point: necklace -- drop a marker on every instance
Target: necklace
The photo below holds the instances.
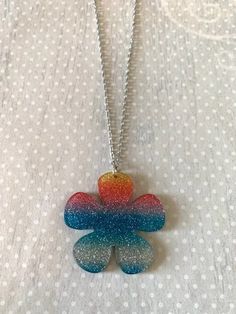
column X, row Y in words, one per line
column 116, row 220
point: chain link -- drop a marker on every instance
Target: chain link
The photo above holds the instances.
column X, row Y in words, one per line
column 116, row 147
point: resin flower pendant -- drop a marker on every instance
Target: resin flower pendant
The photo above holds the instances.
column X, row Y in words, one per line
column 115, row 222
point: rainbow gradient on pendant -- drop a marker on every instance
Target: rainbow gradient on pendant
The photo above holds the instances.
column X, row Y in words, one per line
column 115, row 221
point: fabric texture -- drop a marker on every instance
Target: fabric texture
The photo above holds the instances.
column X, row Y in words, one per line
column 180, row 146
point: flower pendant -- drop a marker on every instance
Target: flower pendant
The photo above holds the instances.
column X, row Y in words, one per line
column 115, row 222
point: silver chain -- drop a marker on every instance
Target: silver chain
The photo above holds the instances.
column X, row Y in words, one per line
column 115, row 147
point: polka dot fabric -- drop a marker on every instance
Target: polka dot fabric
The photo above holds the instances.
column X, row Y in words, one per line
column 180, row 146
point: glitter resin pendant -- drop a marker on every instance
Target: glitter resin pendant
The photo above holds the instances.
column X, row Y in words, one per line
column 115, row 221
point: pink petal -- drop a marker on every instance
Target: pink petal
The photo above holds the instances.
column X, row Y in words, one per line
column 81, row 211
column 148, row 212
column 147, row 203
column 82, row 200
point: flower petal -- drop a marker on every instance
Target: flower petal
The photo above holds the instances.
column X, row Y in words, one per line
column 92, row 252
column 81, row 211
column 133, row 254
column 149, row 213
column 115, row 189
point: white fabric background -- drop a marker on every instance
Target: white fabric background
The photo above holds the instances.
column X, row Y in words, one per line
column 181, row 146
